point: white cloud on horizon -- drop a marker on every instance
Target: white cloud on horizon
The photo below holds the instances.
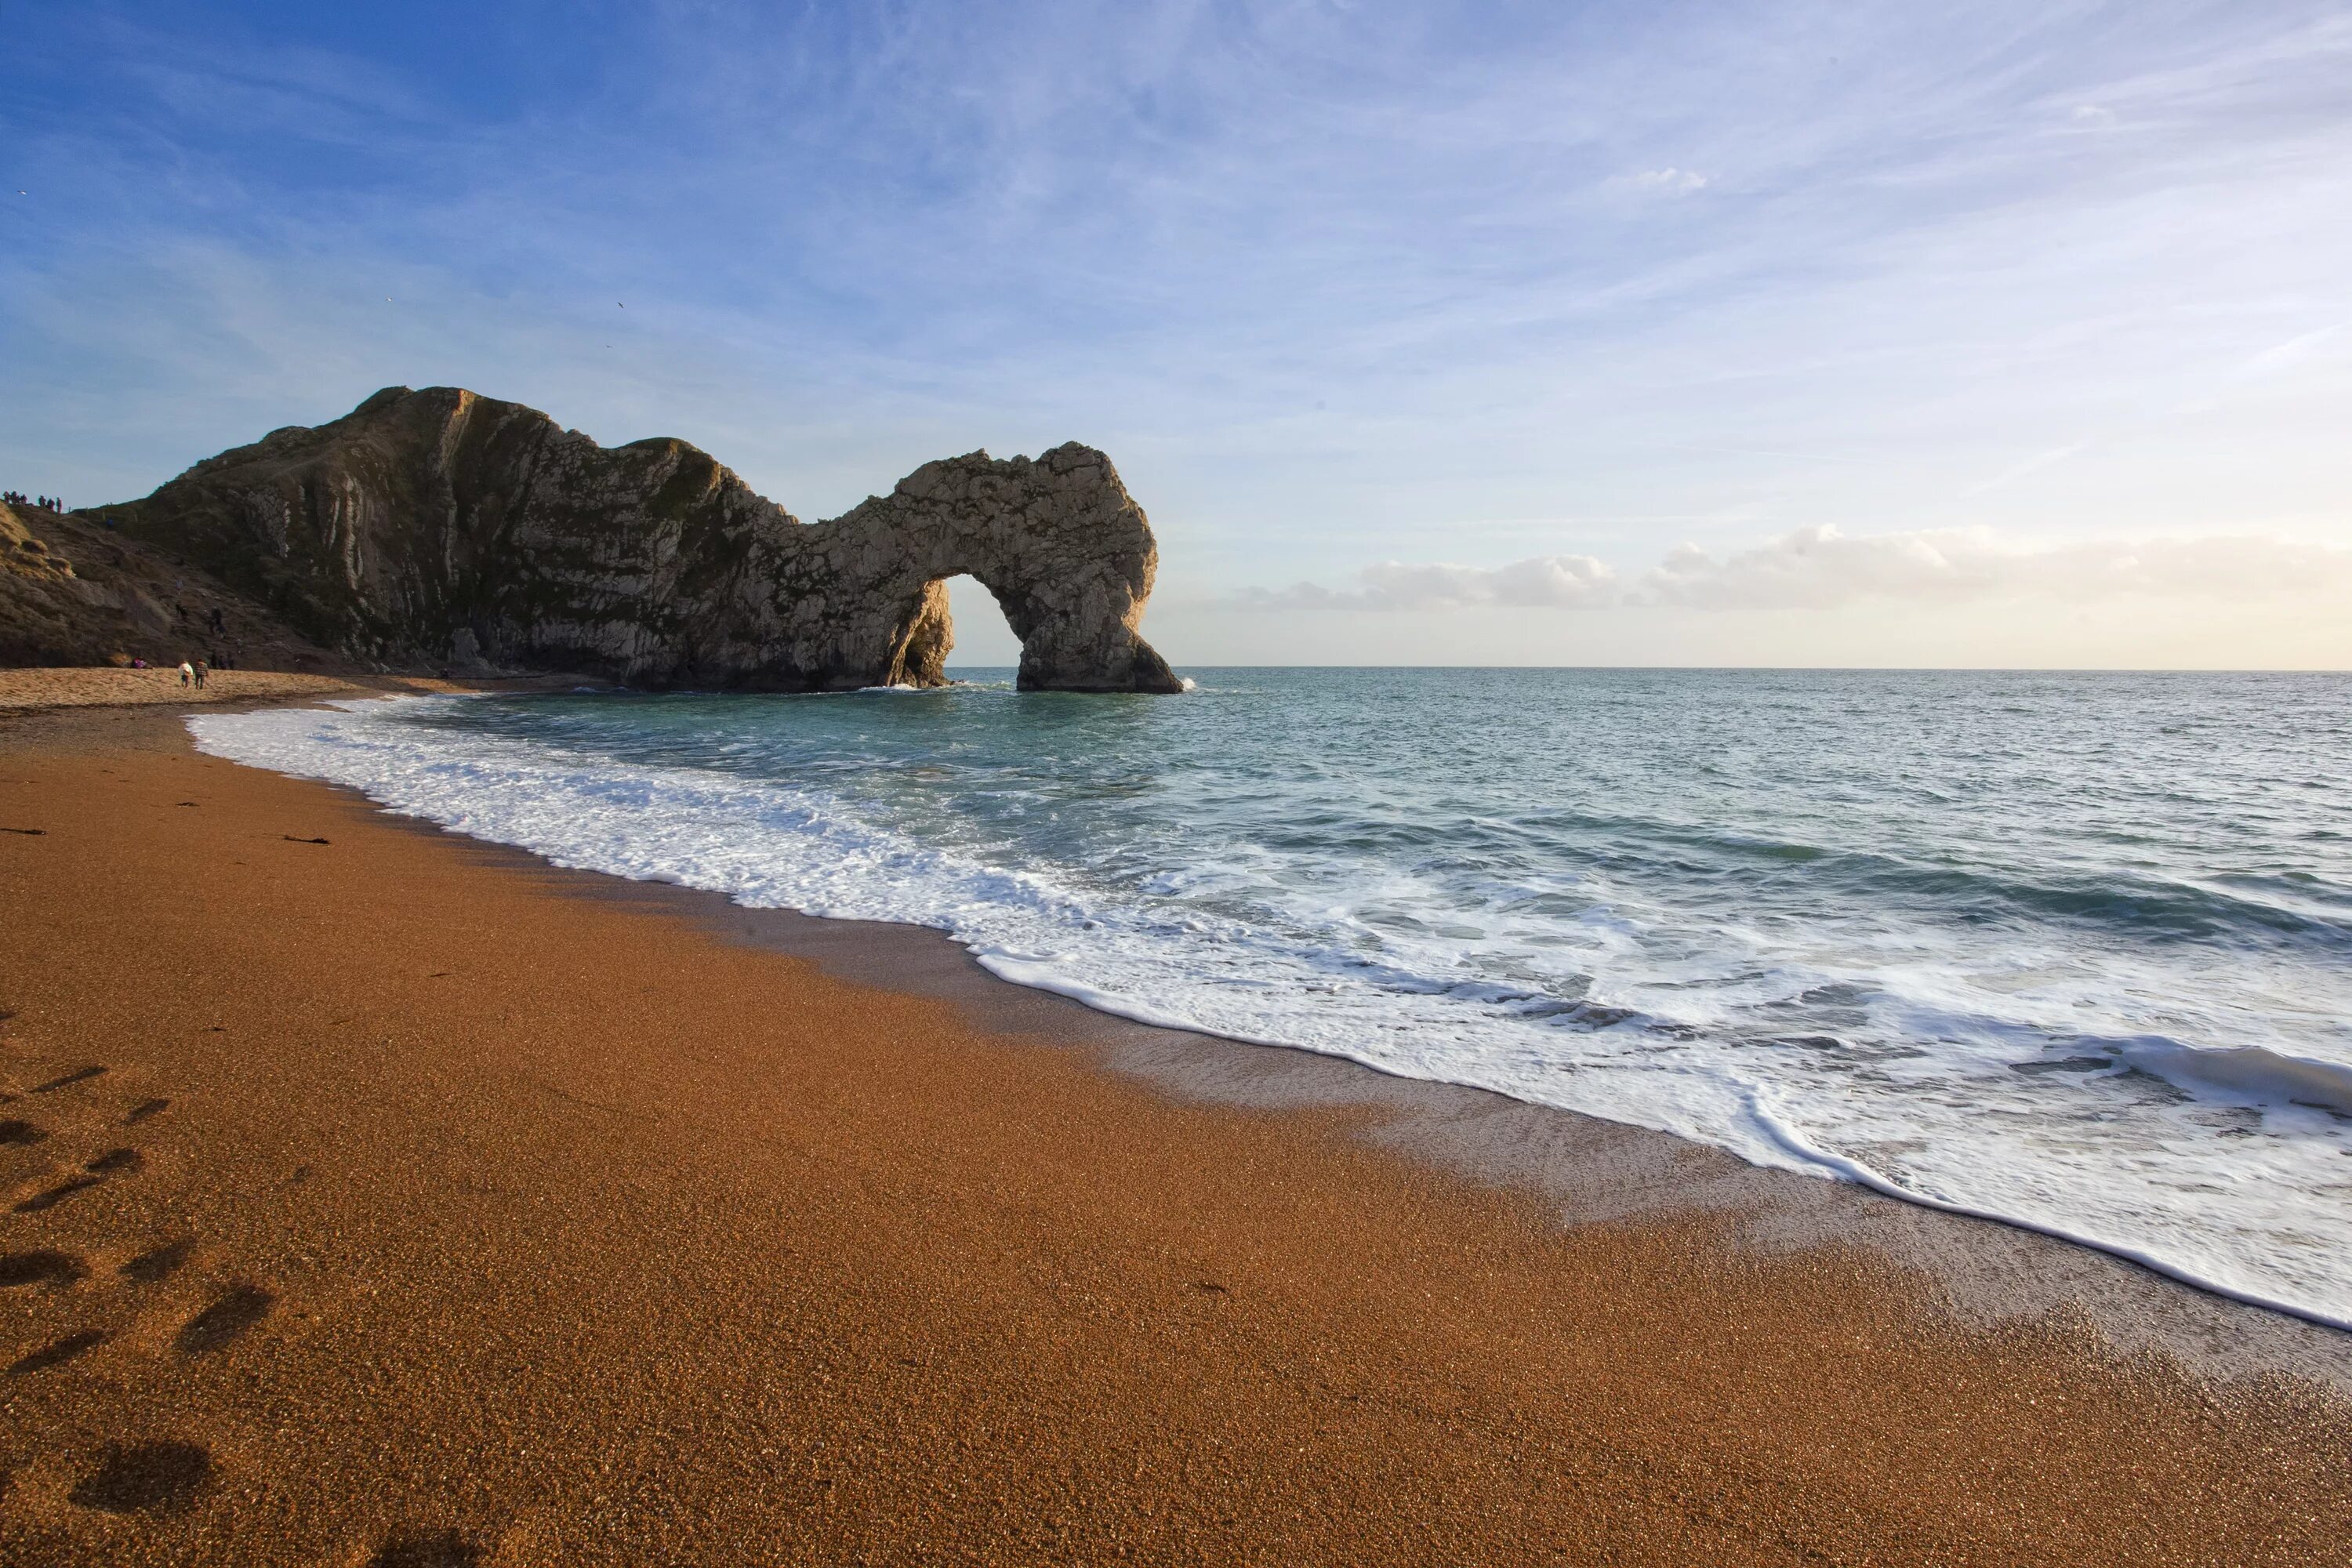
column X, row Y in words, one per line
column 1542, row 582
column 1821, row 568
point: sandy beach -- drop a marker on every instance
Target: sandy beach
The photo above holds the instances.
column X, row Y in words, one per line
column 35, row 690
column 376, row 1196
column 24, row 689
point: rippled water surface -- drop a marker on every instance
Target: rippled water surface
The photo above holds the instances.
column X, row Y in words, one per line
column 2076, row 950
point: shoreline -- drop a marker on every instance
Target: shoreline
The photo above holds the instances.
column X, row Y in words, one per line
column 2137, row 1304
column 1086, row 1285
column 2137, row 1307
column 1988, row 1271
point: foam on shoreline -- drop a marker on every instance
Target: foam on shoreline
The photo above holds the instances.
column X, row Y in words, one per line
column 769, row 846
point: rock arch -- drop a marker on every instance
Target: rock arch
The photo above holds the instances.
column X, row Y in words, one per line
column 443, row 527
column 1057, row 541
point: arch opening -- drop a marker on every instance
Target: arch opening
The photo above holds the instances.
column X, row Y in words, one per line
column 984, row 638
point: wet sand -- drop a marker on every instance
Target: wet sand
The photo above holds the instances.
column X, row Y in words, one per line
column 393, row 1199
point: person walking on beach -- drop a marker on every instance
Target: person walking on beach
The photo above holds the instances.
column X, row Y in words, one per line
column 188, row 673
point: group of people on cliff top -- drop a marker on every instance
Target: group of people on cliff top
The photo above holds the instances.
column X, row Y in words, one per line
column 16, row 498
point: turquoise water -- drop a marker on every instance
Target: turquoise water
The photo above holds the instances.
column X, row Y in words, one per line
column 2072, row 950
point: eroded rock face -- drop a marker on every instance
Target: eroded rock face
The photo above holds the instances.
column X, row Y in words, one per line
column 440, row 526
column 25, row 555
column 71, row 591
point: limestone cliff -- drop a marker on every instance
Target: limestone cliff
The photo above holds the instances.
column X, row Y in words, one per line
column 74, row 592
column 443, row 527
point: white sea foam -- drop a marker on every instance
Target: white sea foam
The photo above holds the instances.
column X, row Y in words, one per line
column 1567, row 983
column 2246, row 1075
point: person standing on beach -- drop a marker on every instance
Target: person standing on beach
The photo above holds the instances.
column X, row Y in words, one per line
column 201, row 671
column 188, row 673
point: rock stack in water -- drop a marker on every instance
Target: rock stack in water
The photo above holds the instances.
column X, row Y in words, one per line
column 441, row 527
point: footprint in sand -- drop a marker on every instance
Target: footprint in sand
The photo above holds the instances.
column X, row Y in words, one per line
column 43, row 1266
column 146, row 1477
column 18, row 1132
column 114, row 1162
column 226, row 1321
column 166, row 1476
column 58, row 1353
column 158, row 1264
column 153, row 1266
column 58, row 1194
column 426, row 1549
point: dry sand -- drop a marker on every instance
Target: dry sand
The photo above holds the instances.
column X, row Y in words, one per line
column 86, row 687
column 81, row 686
column 383, row 1200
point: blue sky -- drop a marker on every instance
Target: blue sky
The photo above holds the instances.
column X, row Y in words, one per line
column 1527, row 333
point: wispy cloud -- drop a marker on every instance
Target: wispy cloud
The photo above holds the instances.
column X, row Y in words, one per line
column 1315, row 274
column 1815, row 568
column 1669, row 179
column 2048, row 456
column 1819, row 568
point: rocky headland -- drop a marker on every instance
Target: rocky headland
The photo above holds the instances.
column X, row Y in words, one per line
column 442, row 529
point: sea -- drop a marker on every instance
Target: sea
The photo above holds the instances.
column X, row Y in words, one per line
column 2072, row 951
